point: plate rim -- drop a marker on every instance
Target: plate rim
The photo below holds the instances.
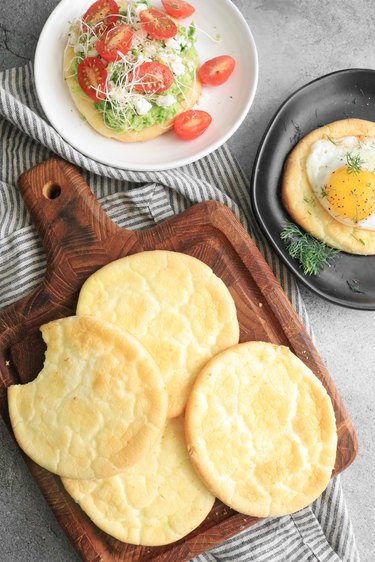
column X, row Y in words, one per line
column 144, row 167
column 283, row 256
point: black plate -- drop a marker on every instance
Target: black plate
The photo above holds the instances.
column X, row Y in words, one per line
column 342, row 94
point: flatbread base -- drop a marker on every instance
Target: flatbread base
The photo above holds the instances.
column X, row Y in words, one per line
column 156, row 502
column 98, row 405
column 260, row 428
column 174, row 304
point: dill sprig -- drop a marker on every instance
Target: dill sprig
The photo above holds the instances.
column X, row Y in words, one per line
column 312, row 254
column 353, row 162
column 358, row 239
column 354, row 286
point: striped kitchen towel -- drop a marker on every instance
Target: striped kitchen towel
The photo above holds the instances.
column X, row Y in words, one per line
column 321, row 532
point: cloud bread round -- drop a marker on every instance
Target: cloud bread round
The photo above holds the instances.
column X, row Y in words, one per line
column 155, row 502
column 86, row 107
column 299, row 199
column 97, row 406
column 261, row 431
column 174, row 304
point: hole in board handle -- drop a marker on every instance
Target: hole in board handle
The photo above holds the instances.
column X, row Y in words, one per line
column 51, row 190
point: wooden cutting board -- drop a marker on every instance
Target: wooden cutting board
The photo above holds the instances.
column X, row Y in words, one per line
column 79, row 238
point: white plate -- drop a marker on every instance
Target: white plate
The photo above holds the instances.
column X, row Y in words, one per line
column 228, row 104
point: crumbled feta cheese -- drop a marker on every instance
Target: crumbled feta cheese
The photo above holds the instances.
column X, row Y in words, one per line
column 140, row 8
column 173, row 44
column 174, row 62
column 142, row 106
column 168, row 58
column 182, row 41
column 78, row 48
column 176, row 44
column 178, row 68
column 165, row 101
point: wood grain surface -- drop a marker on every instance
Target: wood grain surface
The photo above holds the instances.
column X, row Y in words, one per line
column 78, row 238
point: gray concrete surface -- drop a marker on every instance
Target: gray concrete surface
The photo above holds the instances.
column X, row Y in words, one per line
column 297, row 40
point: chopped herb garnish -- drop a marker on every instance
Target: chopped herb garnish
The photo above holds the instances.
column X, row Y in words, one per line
column 354, row 286
column 310, row 201
column 312, row 254
column 191, row 31
column 354, row 163
column 359, row 240
column 332, row 141
column 324, row 192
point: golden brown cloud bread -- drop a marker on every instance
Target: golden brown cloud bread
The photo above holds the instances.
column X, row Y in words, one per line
column 155, row 502
column 261, row 431
column 301, row 203
column 97, row 406
column 174, row 304
column 86, row 107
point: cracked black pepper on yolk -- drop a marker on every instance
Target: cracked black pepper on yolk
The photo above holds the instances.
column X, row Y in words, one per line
column 351, row 196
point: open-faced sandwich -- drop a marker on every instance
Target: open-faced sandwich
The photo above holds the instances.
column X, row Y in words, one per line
column 329, row 185
column 131, row 68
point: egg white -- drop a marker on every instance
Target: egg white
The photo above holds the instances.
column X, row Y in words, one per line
column 326, row 156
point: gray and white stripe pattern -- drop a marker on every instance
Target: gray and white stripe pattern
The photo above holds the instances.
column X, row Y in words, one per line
column 321, row 532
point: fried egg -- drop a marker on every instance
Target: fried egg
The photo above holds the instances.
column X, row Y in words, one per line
column 328, row 185
column 341, row 173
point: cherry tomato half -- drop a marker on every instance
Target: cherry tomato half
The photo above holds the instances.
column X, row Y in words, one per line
column 118, row 38
column 216, row 71
column 157, row 24
column 91, row 75
column 105, row 11
column 191, row 124
column 152, row 78
column 178, row 8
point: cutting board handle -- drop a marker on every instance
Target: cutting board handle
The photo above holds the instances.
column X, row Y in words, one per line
column 66, row 213
column 76, row 235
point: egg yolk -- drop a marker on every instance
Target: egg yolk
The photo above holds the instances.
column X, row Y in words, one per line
column 351, row 195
